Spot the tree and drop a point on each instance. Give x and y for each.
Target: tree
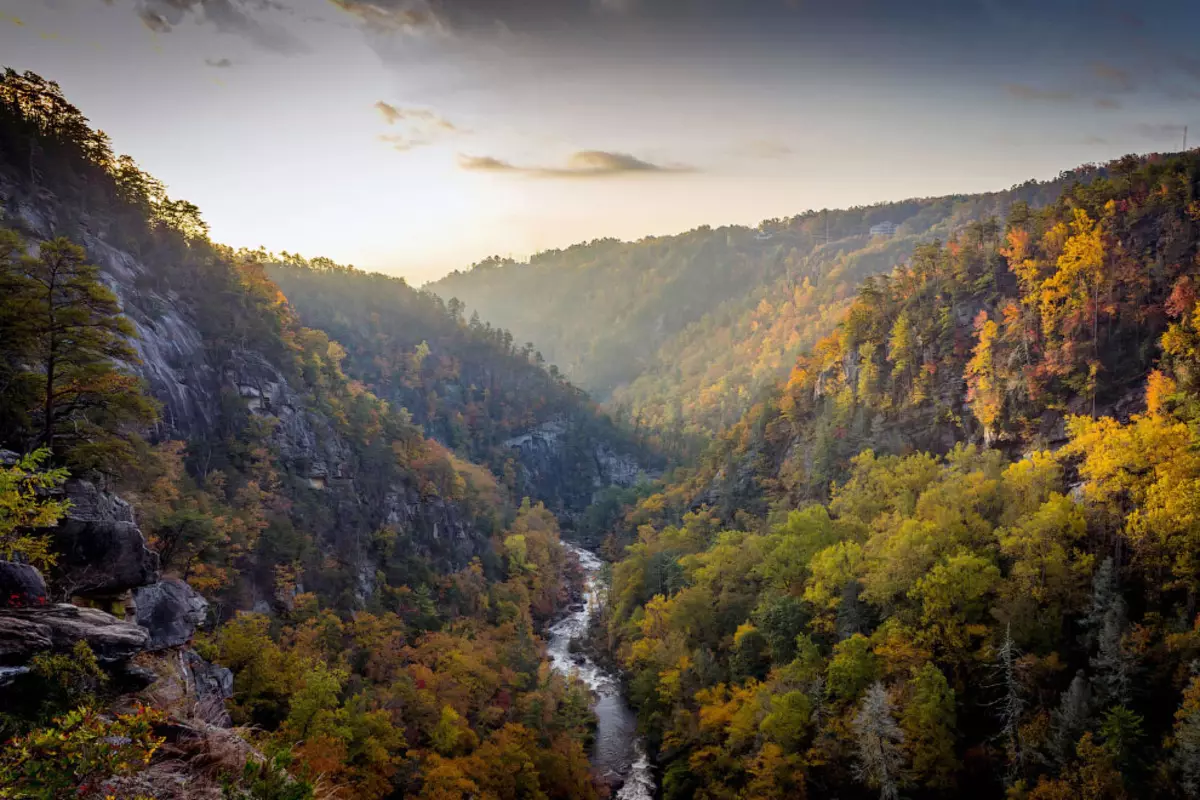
(1012, 704)
(880, 759)
(1121, 730)
(852, 668)
(1070, 719)
(87, 403)
(1106, 620)
(23, 510)
(928, 722)
(1112, 663)
(983, 391)
(788, 720)
(1187, 738)
(751, 654)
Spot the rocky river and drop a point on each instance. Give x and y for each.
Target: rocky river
(618, 754)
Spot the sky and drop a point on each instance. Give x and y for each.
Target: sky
(415, 137)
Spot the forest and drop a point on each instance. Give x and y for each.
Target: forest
(376, 594)
(682, 333)
(954, 551)
(892, 516)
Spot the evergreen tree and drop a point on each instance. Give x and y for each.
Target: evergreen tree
(1104, 592)
(880, 760)
(1106, 622)
(1071, 718)
(1187, 738)
(1012, 704)
(71, 333)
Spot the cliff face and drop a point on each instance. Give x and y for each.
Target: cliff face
(468, 384)
(103, 566)
(201, 388)
(564, 464)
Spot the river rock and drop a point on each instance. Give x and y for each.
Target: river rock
(24, 632)
(21, 586)
(171, 611)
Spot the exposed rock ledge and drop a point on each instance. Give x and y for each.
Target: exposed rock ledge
(101, 550)
(25, 632)
(170, 611)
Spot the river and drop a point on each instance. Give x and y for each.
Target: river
(618, 753)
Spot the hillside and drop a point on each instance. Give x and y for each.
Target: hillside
(205, 521)
(953, 553)
(273, 528)
(682, 332)
(469, 385)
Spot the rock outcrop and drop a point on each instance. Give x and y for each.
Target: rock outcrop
(211, 686)
(100, 549)
(21, 586)
(565, 464)
(25, 632)
(170, 611)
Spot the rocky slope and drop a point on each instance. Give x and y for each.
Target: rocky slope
(104, 564)
(468, 384)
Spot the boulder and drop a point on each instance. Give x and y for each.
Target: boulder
(171, 611)
(24, 632)
(101, 550)
(212, 686)
(21, 586)
(10, 674)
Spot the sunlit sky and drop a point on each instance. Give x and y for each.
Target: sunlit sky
(418, 136)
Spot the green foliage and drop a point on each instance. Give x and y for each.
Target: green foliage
(928, 721)
(66, 330)
(269, 779)
(710, 318)
(469, 385)
(24, 508)
(55, 684)
(852, 668)
(77, 755)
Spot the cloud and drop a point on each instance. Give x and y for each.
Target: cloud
(417, 126)
(584, 164)
(1104, 101)
(1023, 91)
(1114, 78)
(485, 164)
(520, 16)
(394, 15)
(1161, 132)
(391, 114)
(218, 63)
(239, 17)
(402, 143)
(770, 149)
(394, 115)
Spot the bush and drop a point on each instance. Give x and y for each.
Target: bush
(78, 755)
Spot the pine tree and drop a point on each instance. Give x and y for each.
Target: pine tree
(1071, 718)
(1106, 622)
(1187, 737)
(1113, 665)
(1104, 590)
(1012, 705)
(880, 760)
(75, 339)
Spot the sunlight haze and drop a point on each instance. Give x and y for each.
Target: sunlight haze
(271, 119)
